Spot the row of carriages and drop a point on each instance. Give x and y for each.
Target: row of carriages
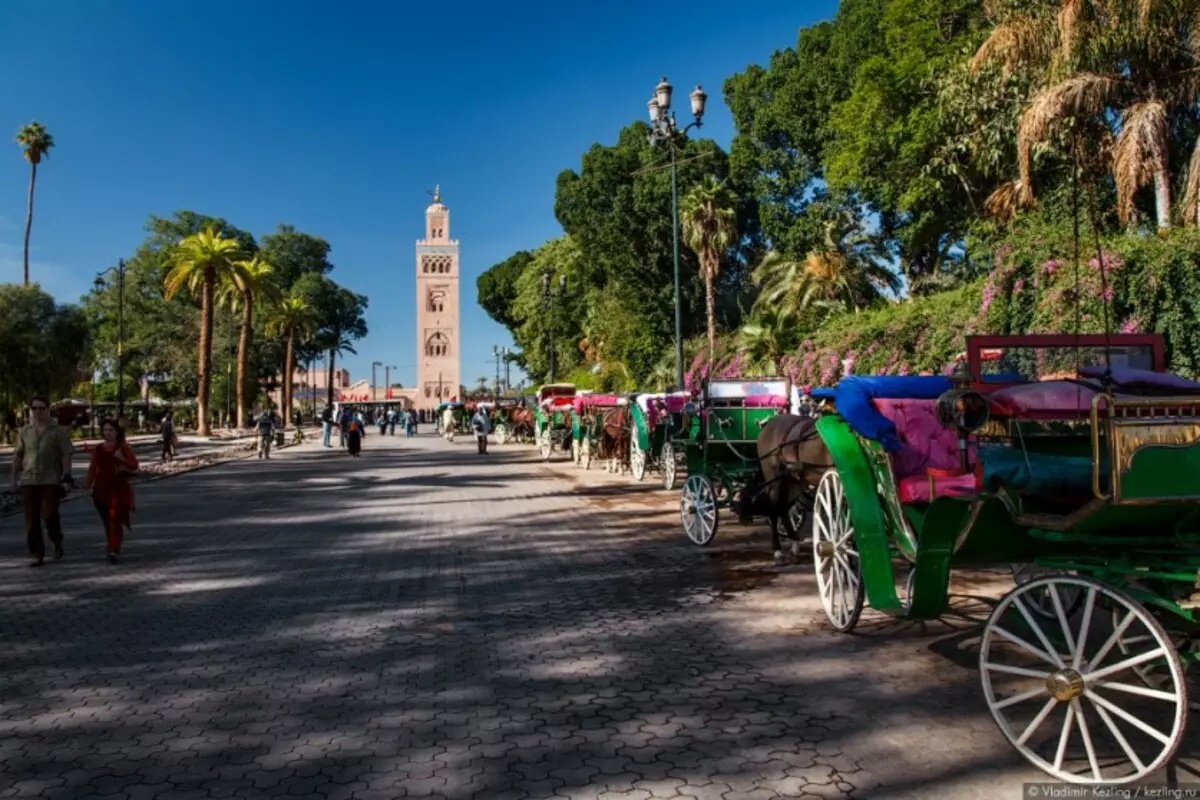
(1071, 461)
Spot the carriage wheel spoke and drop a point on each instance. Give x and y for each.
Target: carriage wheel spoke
(1084, 625)
(1019, 642)
(1051, 704)
(1120, 737)
(1087, 739)
(1113, 638)
(1037, 629)
(1142, 691)
(1027, 673)
(1022, 697)
(1056, 601)
(1125, 715)
(1123, 665)
(1064, 738)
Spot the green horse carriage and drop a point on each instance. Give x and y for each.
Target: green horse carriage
(720, 440)
(553, 422)
(657, 420)
(591, 415)
(510, 419)
(1089, 486)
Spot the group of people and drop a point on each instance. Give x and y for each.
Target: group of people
(41, 471)
(352, 425)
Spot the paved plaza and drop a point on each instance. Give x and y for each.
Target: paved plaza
(424, 621)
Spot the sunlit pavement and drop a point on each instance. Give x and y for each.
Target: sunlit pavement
(427, 621)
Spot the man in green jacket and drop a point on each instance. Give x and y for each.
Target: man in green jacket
(42, 463)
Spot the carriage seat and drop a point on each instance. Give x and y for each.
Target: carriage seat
(928, 450)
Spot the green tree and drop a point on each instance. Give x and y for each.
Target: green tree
(294, 318)
(250, 280)
(294, 254)
(43, 346)
(200, 263)
(768, 340)
(497, 288)
(339, 318)
(35, 143)
(709, 227)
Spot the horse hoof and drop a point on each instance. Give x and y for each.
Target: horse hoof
(779, 560)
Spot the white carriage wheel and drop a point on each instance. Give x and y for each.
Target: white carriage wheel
(1153, 674)
(1061, 664)
(637, 460)
(835, 559)
(544, 444)
(585, 455)
(501, 434)
(1041, 604)
(698, 509)
(909, 583)
(669, 467)
(576, 452)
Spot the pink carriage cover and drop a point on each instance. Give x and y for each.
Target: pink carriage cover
(765, 401)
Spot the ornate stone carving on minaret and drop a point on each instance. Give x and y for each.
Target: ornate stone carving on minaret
(438, 374)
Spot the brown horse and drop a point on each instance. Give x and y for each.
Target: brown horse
(792, 458)
(616, 426)
(521, 424)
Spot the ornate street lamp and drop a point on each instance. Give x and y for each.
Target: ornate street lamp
(665, 132)
(100, 283)
(548, 298)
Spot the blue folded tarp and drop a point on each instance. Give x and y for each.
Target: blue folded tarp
(853, 398)
(821, 394)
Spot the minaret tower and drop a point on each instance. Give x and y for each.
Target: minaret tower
(438, 375)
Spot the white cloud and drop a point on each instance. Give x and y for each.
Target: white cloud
(60, 280)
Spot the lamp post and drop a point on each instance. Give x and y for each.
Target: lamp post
(100, 283)
(496, 386)
(387, 379)
(664, 131)
(548, 298)
(507, 384)
(374, 389)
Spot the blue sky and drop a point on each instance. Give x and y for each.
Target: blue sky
(338, 122)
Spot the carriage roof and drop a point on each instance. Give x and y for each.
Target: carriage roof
(741, 388)
(557, 390)
(669, 399)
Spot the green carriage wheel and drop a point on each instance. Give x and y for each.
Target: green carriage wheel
(637, 459)
(835, 557)
(698, 509)
(669, 468)
(1037, 674)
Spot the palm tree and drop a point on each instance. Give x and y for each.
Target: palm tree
(767, 340)
(294, 318)
(844, 273)
(1097, 61)
(35, 142)
(200, 263)
(250, 280)
(336, 343)
(663, 374)
(709, 228)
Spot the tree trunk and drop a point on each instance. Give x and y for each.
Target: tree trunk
(203, 427)
(244, 358)
(29, 217)
(329, 379)
(712, 316)
(288, 355)
(1162, 193)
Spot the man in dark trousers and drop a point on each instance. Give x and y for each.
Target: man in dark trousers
(42, 464)
(482, 427)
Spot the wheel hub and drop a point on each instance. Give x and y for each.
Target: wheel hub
(826, 549)
(1065, 684)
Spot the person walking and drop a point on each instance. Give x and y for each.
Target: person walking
(42, 464)
(326, 424)
(354, 436)
(482, 426)
(167, 429)
(391, 419)
(383, 423)
(266, 431)
(343, 423)
(107, 478)
(410, 423)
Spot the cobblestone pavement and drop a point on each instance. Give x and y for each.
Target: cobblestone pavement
(424, 621)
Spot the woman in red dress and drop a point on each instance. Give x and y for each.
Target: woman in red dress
(113, 462)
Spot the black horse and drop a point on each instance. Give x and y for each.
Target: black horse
(791, 458)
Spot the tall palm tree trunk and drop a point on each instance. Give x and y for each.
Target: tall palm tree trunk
(329, 379)
(29, 217)
(244, 358)
(709, 269)
(204, 371)
(288, 355)
(1162, 193)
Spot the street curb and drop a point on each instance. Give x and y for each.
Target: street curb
(155, 478)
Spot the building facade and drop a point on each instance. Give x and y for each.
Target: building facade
(438, 352)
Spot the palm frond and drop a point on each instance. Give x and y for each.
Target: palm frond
(1013, 42)
(1191, 191)
(1069, 18)
(1004, 203)
(1083, 94)
(1141, 148)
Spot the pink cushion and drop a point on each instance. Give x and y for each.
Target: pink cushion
(926, 442)
(765, 401)
(915, 489)
(598, 399)
(1042, 400)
